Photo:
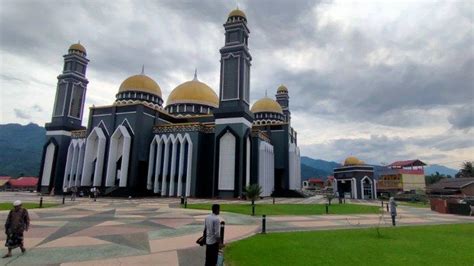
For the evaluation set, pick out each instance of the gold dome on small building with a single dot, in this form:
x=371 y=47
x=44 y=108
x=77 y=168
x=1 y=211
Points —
x=195 y=92
x=141 y=83
x=351 y=160
x=266 y=105
x=78 y=47
x=237 y=13
x=282 y=89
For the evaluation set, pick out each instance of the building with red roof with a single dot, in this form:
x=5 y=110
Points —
x=313 y=184
x=23 y=183
x=401 y=176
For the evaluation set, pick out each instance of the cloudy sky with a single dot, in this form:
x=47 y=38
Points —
x=381 y=80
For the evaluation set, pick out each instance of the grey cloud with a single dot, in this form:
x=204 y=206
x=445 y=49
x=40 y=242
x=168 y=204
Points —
x=37 y=108
x=21 y=114
x=462 y=118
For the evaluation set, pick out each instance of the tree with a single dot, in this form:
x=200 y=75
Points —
x=433 y=178
x=253 y=192
x=330 y=196
x=467 y=170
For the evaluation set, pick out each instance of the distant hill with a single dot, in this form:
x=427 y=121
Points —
x=316 y=168
x=432 y=169
x=21 y=149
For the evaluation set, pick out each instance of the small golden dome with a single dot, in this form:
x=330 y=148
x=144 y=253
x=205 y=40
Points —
x=195 y=92
x=78 y=47
x=351 y=160
x=265 y=105
x=140 y=83
x=282 y=89
x=237 y=13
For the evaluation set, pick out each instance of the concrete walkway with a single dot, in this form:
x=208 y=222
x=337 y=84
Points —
x=156 y=232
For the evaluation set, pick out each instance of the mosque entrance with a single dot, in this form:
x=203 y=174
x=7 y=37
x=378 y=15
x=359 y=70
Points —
x=367 y=185
x=344 y=186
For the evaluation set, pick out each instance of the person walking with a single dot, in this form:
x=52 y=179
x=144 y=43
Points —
x=17 y=222
x=73 y=193
x=213 y=236
x=393 y=209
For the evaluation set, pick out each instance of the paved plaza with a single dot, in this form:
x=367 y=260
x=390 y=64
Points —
x=157 y=231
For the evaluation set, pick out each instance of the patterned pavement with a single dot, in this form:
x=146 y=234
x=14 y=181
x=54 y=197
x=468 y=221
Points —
x=156 y=232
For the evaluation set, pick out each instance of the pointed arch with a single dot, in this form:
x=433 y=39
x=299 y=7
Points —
x=119 y=157
x=48 y=162
x=94 y=158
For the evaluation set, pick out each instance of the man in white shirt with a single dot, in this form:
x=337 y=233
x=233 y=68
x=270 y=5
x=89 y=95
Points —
x=213 y=235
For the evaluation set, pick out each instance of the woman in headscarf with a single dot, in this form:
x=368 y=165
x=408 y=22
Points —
x=393 y=209
x=17 y=222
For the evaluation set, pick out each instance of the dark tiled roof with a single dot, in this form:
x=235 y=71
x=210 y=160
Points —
x=450 y=185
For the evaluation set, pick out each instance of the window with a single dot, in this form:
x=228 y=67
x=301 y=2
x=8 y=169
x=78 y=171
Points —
x=80 y=68
x=76 y=101
x=60 y=98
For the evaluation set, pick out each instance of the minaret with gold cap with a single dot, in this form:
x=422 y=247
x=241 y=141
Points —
x=283 y=99
x=233 y=118
x=67 y=116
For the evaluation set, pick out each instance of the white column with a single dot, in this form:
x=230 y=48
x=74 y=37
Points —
x=189 y=166
x=182 y=150
x=173 y=166
x=355 y=188
x=48 y=164
x=67 y=170
x=75 y=157
x=227 y=145
x=80 y=163
x=165 y=167
x=151 y=164
x=375 y=189
x=158 y=166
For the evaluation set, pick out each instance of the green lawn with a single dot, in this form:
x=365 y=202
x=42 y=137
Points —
x=420 y=245
x=27 y=205
x=291 y=209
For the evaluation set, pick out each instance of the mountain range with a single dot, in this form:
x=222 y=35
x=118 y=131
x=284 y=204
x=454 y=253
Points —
x=21 y=151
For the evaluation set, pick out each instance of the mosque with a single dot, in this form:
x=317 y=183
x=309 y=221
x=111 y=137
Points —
x=198 y=144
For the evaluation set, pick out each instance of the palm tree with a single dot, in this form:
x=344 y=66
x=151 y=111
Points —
x=253 y=192
x=467 y=170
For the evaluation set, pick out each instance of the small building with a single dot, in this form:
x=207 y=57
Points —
x=4 y=182
x=450 y=195
x=355 y=180
x=402 y=176
x=26 y=183
x=313 y=184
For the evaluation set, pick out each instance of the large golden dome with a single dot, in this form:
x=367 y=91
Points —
x=141 y=83
x=195 y=92
x=237 y=13
x=265 y=105
x=351 y=160
x=77 y=47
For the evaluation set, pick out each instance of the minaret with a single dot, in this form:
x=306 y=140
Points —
x=67 y=116
x=284 y=100
x=233 y=118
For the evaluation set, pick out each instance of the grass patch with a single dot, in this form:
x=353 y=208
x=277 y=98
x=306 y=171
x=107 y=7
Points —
x=26 y=205
x=291 y=209
x=427 y=245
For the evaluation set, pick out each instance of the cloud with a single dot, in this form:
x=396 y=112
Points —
x=462 y=117
x=21 y=114
x=378 y=71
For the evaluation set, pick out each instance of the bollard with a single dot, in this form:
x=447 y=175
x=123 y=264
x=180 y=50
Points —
x=344 y=200
x=64 y=198
x=264 y=224
x=382 y=203
x=387 y=207
x=327 y=208
x=273 y=200
x=41 y=202
x=185 y=203
x=182 y=200
x=222 y=231
x=253 y=209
